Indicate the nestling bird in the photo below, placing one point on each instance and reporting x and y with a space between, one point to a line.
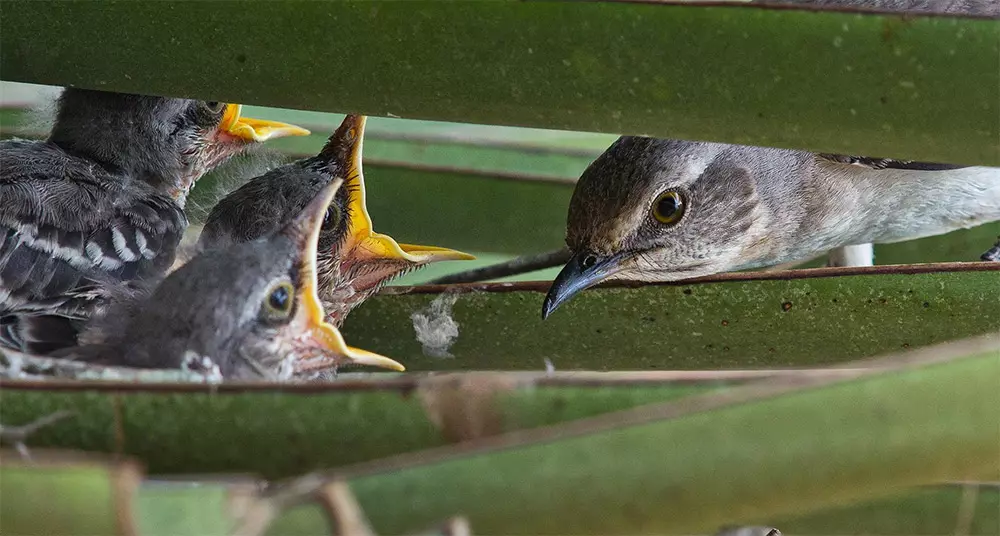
102 201
249 309
354 261
661 210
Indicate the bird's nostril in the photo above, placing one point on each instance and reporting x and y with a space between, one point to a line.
588 261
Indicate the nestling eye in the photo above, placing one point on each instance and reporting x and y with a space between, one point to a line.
215 106
278 303
669 207
331 218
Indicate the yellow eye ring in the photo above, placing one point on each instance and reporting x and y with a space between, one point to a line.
669 207
278 302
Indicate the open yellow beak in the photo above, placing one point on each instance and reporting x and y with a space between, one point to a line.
363 243
367 245
329 338
313 330
255 130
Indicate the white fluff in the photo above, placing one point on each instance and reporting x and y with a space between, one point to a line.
435 328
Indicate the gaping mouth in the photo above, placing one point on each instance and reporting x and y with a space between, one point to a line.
311 333
255 130
376 255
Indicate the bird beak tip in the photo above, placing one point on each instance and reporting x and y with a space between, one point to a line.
428 254
553 300
255 130
357 356
547 308
329 340
577 276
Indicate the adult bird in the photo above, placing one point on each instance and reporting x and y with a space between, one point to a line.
248 310
101 201
354 261
662 210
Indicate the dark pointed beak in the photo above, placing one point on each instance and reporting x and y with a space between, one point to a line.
583 271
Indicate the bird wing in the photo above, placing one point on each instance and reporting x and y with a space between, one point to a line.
69 227
886 163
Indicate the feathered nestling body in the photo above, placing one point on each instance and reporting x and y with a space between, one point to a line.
247 310
101 201
353 260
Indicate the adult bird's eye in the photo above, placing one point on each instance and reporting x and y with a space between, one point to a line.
278 302
331 218
668 207
215 106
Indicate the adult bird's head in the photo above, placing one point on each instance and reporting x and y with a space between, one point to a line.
169 143
656 210
250 308
354 261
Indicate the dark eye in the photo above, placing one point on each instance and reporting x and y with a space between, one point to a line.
215 106
331 218
668 207
278 303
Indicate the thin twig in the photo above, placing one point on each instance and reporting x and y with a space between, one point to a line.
521 265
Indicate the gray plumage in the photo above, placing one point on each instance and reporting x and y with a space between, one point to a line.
755 206
353 262
747 207
248 309
209 307
91 206
965 7
661 210
266 202
100 202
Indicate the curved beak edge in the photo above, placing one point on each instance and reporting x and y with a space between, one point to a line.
429 254
583 271
255 130
369 246
338 353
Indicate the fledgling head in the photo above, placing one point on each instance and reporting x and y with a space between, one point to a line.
250 308
169 143
353 260
656 210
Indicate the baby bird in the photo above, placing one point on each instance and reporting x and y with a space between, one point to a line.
353 260
249 309
101 201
